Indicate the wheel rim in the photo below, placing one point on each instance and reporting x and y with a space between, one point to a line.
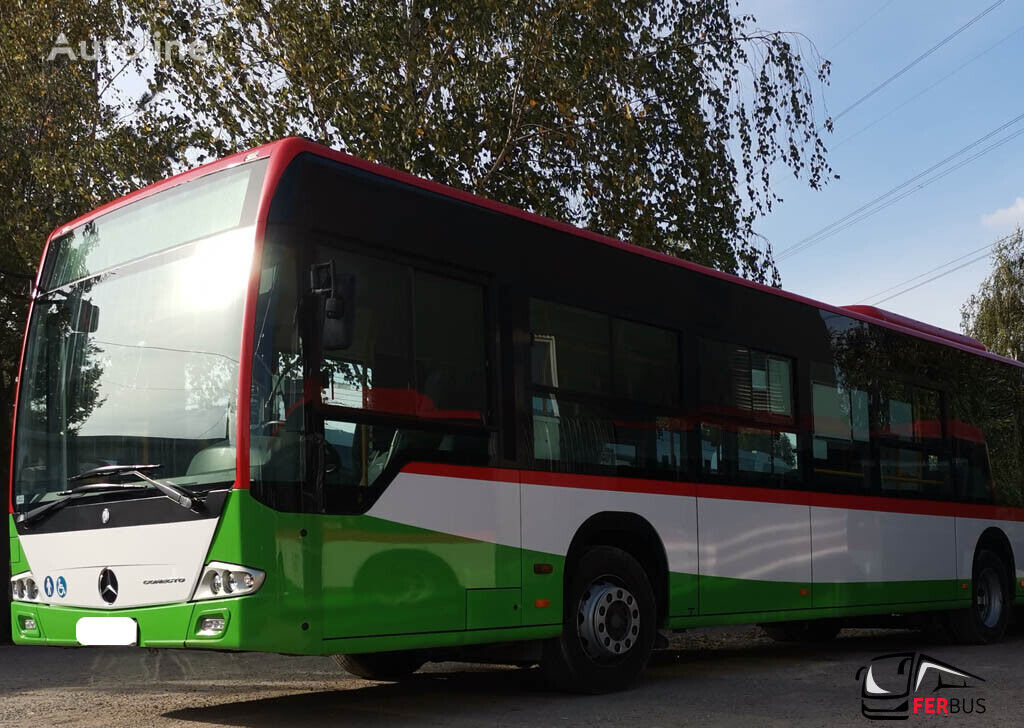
988 598
609 620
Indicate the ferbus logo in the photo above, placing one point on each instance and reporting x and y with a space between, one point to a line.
896 686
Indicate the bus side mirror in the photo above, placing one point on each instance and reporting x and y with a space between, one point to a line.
88 317
337 305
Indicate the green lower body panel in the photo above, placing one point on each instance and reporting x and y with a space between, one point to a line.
887 592
721 595
791 615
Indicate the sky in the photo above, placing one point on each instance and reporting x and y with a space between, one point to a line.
868 41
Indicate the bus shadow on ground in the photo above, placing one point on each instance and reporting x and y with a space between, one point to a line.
485 694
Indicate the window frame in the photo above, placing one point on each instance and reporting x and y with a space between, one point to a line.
615 405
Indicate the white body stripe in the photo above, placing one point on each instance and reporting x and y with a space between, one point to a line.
135 554
967 532
484 510
552 515
737 538
863 546
752 540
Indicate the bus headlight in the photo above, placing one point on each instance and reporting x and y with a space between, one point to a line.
221 580
24 588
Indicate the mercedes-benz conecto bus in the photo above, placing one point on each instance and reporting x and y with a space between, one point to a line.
293 401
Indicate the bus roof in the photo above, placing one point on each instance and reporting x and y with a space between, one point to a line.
283 151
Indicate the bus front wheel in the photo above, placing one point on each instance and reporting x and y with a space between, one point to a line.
384 666
609 624
986 619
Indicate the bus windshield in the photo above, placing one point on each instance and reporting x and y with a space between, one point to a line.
133 345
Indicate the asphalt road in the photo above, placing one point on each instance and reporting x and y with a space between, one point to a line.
706 678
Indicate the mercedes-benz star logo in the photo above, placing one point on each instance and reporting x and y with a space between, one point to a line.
108 586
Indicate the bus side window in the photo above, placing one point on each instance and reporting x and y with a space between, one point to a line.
910 441
840 441
605 393
986 431
748 426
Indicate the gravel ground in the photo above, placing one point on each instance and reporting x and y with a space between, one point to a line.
713 677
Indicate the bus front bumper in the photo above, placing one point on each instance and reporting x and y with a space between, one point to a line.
170 625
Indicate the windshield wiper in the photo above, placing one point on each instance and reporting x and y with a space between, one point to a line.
174 492
110 471
69 495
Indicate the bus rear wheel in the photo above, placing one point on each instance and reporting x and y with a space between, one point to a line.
609 625
986 619
383 666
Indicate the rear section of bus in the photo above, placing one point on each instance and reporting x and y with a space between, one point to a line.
125 527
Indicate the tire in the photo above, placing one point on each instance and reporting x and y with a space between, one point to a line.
384 666
815 630
609 625
986 619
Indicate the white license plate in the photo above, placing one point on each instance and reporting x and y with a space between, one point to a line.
107 631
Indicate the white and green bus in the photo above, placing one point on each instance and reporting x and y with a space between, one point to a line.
293 401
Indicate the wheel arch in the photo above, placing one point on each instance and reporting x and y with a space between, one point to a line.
994 539
635 535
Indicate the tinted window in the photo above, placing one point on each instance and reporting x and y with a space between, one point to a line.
737 379
572 348
450 346
646 362
747 412
419 349
577 437
419 344
604 393
909 431
841 438
986 428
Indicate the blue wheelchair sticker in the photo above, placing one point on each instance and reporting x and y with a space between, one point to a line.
62 587
48 586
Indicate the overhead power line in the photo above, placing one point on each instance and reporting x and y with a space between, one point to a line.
922 185
861 25
928 88
933 278
920 58
984 250
904 189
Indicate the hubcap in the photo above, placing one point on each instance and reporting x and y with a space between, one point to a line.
609 620
988 598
